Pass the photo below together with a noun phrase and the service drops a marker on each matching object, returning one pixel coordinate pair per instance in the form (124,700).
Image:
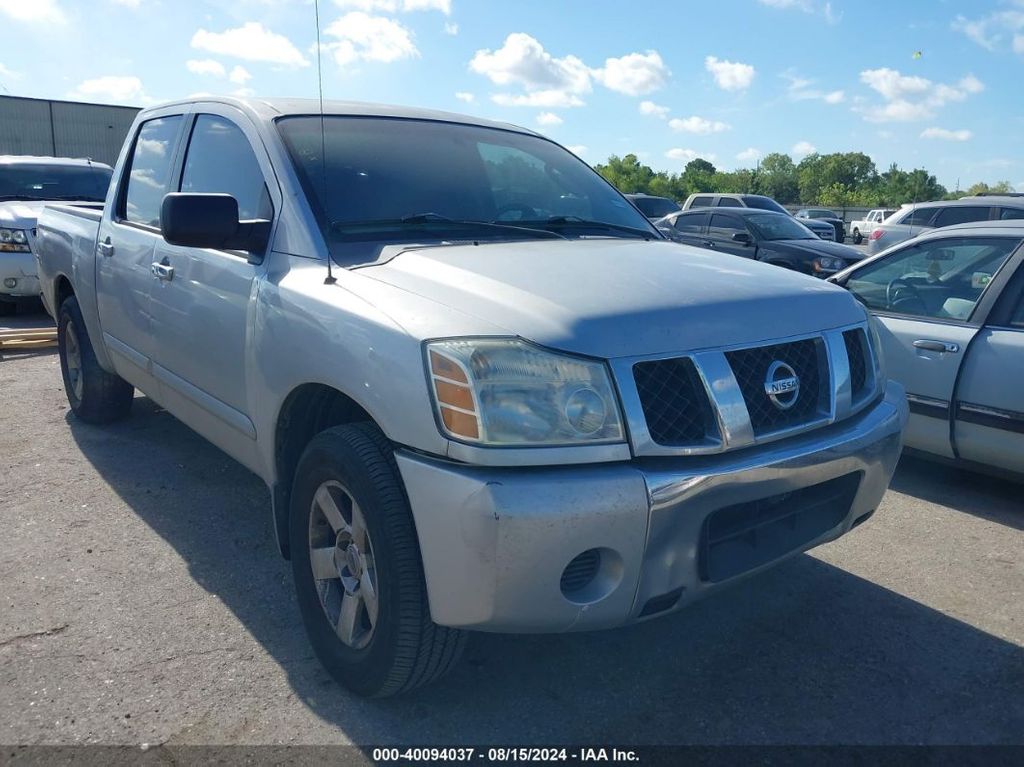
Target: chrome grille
(674,401)
(750,366)
(855,341)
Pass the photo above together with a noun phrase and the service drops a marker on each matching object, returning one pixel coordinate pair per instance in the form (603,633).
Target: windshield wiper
(435,220)
(582,223)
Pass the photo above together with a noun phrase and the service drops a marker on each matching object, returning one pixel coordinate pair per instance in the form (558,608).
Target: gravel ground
(143,601)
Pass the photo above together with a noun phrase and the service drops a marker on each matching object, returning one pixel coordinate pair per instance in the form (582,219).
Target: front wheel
(858,238)
(95,395)
(357,568)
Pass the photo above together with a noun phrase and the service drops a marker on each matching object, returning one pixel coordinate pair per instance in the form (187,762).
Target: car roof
(730,209)
(268,110)
(1013,202)
(1013,228)
(83,162)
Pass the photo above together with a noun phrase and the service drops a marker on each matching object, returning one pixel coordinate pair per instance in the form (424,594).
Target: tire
(858,238)
(95,395)
(400,648)
(8,308)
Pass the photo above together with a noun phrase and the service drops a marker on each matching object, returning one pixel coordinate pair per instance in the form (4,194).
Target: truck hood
(616,298)
(20,214)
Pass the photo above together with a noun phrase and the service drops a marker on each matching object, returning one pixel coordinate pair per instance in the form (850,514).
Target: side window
(150,171)
(1007,214)
(939,279)
(691,224)
(701,202)
(918,217)
(961,214)
(724,226)
(729,202)
(220,160)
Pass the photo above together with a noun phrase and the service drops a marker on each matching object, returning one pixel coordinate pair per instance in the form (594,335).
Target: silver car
(911,220)
(951,311)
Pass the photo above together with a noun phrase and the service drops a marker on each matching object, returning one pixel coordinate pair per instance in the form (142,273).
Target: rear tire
(95,395)
(858,238)
(355,553)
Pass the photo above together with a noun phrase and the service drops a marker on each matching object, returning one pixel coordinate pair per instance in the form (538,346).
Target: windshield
(418,181)
(763,203)
(771,226)
(54,182)
(655,207)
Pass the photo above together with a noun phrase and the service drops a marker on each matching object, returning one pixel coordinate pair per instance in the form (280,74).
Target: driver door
(926,296)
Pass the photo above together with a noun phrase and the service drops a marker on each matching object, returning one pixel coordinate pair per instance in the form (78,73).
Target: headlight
(829,264)
(14,241)
(504,391)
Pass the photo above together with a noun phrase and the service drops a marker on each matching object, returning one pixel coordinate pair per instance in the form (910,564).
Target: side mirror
(210,221)
(742,237)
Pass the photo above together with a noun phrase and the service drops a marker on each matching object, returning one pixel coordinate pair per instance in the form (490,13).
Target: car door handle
(708,244)
(163,272)
(105,248)
(937,346)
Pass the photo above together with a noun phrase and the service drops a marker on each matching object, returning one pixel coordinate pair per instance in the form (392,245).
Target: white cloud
(807,6)
(42,11)
(803,148)
(749,155)
(111,88)
(992,31)
(653,110)
(948,135)
(834,97)
(250,42)
(369,38)
(240,76)
(578,149)
(685,155)
(469,98)
(444,6)
(128,3)
(730,75)
(697,125)
(522,61)
(1018,43)
(799,89)
(205,67)
(9,73)
(451,28)
(635,74)
(548,118)
(390,6)
(910,97)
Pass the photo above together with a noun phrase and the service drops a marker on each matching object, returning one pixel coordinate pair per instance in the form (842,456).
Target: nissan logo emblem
(782,385)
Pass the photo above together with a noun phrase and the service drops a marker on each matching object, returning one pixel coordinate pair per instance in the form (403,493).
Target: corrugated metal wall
(63,128)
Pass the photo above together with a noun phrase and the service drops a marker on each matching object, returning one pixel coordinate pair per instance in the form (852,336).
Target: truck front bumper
(549,549)
(19,279)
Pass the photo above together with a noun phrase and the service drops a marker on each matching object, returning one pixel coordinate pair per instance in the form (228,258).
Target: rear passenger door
(203,302)
(689,228)
(989,422)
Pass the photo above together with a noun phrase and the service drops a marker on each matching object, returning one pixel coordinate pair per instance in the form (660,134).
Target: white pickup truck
(862,227)
(484,392)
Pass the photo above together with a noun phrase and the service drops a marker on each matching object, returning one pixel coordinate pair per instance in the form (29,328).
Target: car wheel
(357,568)
(858,238)
(95,395)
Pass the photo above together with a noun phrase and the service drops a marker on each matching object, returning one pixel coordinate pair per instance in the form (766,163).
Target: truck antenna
(323,133)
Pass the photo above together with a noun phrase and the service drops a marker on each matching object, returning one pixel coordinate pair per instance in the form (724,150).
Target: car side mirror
(742,237)
(211,221)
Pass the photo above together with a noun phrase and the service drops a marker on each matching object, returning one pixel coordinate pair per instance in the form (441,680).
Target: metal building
(63,128)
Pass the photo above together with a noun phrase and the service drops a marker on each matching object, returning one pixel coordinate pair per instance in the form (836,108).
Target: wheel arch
(62,290)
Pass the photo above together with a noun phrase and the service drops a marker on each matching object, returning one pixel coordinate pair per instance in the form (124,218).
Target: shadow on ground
(806,654)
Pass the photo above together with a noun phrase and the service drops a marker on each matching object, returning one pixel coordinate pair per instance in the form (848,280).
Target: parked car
(763,235)
(911,220)
(759,201)
(26,185)
(861,227)
(826,215)
(950,305)
(451,385)
(653,207)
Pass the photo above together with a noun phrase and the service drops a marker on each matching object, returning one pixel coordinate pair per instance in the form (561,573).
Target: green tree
(777,178)
(699,176)
(627,174)
(1000,187)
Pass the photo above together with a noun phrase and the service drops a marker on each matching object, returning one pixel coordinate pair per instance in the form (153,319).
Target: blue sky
(728,80)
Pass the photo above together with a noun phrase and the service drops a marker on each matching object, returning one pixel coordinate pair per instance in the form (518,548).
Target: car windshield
(821,214)
(54,182)
(655,207)
(381,181)
(771,226)
(763,203)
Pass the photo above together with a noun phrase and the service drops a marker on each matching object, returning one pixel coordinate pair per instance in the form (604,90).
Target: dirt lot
(143,602)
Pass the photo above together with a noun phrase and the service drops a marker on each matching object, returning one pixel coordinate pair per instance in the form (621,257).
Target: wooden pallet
(27,338)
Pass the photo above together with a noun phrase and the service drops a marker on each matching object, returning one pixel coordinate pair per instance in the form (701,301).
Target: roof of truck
(270,109)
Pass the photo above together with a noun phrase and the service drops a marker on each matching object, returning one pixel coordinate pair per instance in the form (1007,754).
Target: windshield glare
(778,227)
(54,182)
(379,171)
(763,203)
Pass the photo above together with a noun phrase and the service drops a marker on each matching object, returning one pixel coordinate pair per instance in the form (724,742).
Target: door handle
(708,244)
(105,248)
(937,346)
(163,272)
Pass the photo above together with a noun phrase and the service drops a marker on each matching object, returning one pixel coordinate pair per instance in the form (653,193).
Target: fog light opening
(10,282)
(591,576)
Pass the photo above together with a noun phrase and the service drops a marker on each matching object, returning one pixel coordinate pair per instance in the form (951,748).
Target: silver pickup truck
(484,392)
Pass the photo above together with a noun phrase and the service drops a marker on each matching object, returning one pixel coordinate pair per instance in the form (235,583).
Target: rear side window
(961,215)
(1008,214)
(691,224)
(221,160)
(701,202)
(150,170)
(729,202)
(918,217)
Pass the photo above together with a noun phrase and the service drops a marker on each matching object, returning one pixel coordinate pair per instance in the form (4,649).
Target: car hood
(813,248)
(20,215)
(617,298)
